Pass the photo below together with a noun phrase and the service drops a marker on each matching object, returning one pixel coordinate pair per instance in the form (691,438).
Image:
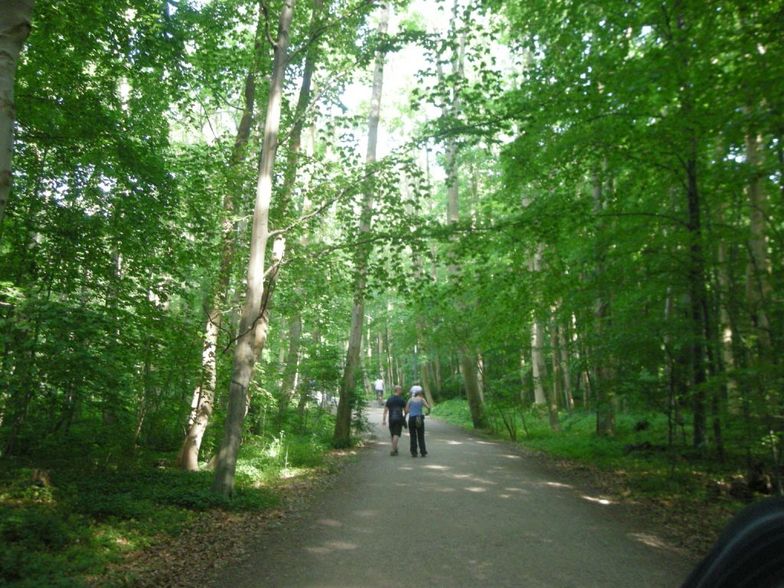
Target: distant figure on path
(415,407)
(378,386)
(395,407)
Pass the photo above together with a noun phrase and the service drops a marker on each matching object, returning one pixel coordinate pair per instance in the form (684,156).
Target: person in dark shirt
(395,408)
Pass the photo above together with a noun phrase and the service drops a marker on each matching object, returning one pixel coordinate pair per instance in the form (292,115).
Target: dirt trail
(473,512)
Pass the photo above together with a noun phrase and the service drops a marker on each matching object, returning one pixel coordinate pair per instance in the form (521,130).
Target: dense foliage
(576,210)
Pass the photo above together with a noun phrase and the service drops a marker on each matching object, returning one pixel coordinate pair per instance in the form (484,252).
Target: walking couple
(397,409)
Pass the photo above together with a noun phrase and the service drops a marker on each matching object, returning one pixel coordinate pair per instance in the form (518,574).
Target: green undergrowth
(639,456)
(63,520)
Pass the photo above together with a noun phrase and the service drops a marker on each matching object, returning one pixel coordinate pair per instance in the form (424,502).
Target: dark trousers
(417,436)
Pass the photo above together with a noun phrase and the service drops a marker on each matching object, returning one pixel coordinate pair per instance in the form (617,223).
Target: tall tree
(204,394)
(342,434)
(250,329)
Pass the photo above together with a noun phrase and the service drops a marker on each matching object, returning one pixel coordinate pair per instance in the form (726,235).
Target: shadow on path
(472,513)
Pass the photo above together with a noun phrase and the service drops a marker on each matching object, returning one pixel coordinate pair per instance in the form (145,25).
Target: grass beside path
(88,516)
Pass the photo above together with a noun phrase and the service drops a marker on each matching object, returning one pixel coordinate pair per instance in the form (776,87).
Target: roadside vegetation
(638,463)
(64,521)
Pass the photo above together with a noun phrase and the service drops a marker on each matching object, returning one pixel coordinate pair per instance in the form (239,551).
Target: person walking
(395,407)
(378,386)
(415,408)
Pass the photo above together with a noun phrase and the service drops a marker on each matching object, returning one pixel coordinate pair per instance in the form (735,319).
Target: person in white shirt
(378,386)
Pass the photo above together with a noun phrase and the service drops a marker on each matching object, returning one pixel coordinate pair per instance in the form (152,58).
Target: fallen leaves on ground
(215,539)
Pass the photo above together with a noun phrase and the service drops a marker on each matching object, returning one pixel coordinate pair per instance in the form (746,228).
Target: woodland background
(225,218)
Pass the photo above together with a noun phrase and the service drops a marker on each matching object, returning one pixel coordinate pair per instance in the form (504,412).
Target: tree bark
(342,434)
(290,372)
(698,301)
(563,350)
(247,343)
(467,358)
(538,365)
(604,395)
(204,395)
(289,383)
(759,267)
(15,25)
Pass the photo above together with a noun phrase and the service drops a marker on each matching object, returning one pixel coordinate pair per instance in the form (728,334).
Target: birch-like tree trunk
(538,364)
(204,395)
(250,330)
(291,370)
(342,434)
(15,24)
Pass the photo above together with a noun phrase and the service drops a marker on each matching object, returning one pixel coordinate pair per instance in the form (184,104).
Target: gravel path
(473,513)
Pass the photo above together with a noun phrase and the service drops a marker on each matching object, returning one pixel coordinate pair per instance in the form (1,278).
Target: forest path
(473,513)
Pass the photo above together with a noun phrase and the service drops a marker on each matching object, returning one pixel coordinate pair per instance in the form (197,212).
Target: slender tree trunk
(555,359)
(759,267)
(289,383)
(437,372)
(246,345)
(563,349)
(604,395)
(15,24)
(727,334)
(466,357)
(698,302)
(204,395)
(342,434)
(538,365)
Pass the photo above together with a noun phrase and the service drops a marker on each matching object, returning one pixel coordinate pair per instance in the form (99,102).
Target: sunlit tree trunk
(15,24)
(538,363)
(246,345)
(727,333)
(291,370)
(204,394)
(342,434)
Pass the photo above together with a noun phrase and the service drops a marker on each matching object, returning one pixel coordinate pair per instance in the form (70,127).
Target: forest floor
(598,510)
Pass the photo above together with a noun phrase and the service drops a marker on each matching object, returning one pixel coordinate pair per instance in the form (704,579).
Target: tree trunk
(698,301)
(15,24)
(467,358)
(342,434)
(290,372)
(759,268)
(604,395)
(563,349)
(204,394)
(289,383)
(468,367)
(538,366)
(246,345)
